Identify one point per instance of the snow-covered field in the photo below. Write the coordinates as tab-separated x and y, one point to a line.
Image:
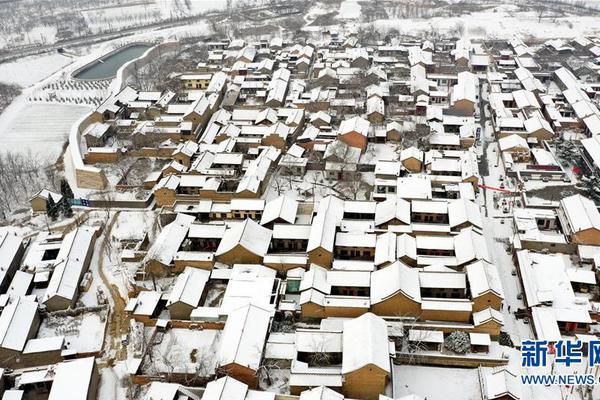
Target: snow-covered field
30	70
83	333
436	383
39	128
349	9
503	21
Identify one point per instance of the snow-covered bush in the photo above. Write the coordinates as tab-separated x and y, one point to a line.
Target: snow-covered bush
458	342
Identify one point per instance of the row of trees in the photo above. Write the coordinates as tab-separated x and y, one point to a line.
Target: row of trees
8	93
64	205
21	176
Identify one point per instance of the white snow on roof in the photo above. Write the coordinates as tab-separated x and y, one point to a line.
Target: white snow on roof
189	286
512	141
580	212
483	278
502	383
406	245
225	388
419	335
355	124
365	342
385	248
70	264
249	235
329	214
73	379
463	210
321	393
392	208
169	239
248	283
469	246
281	207
168	391
315	278
15	323
243	337
10	244
483	316
395	278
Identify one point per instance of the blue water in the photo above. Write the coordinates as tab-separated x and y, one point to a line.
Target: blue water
108	67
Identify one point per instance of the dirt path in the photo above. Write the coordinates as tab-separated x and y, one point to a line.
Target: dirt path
118	323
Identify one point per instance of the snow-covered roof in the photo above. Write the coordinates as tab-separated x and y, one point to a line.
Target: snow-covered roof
488	314
10	245
189	286
385	249
395	278
419	335
168	391
463	210
316	278
483	278
365	342
73	379
469	245
45	194
414	187
71	263
329	214
144	304
248	234
442	279
355	124
501	384
465	89
248	283
15	323
282	207
321	393
411	152
169	239
580	213
225	388
392	208
512	141
406	245
244	336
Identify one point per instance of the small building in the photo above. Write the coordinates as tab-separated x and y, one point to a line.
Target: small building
484	285
75	380
516	146
412	159
11	251
580	220
242	343
19	322
354	132
395	290
502	384
161	255
40	200
73	261
366	357
187	292
244	243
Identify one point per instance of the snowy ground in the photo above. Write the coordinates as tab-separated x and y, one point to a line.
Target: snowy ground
83	333
30	70
39	128
182	350
436	383
349	9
